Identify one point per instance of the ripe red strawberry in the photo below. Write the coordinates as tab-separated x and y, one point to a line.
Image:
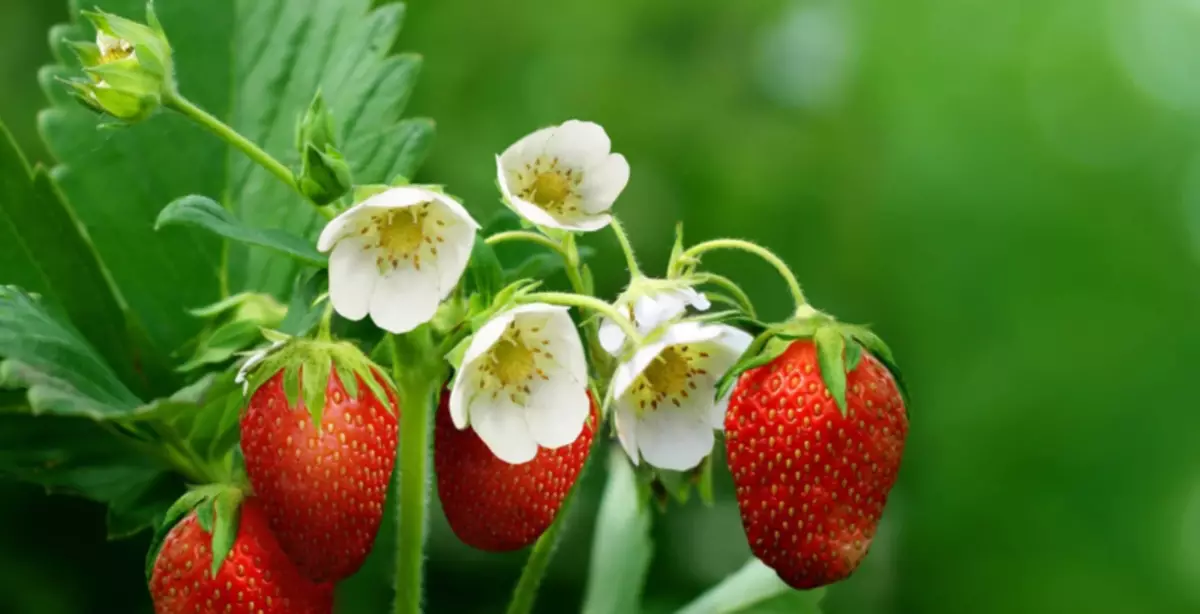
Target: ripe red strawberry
492	505
323	488
811	482
256	577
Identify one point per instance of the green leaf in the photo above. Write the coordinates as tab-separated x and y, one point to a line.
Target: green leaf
220	345
255	65
621	548
63	373
303	312
755	589
831	347
203	416
43	250
206	213
544	265
484	270
81	457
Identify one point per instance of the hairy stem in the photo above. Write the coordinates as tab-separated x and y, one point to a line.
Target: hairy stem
587	302
419	374
229	135
525	235
695	251
634	270
525	594
728	285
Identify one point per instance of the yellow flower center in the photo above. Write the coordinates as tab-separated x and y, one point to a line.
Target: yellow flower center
402	234
668	378
113	49
513	361
552	188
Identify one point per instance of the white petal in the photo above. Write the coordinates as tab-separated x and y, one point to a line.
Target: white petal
578	144
675	438
654	311
486	337
695	299
625	419
565	345
604	182
557	410
734	341
629	370
530	146
454	249
583	223
691	332
719	408
532	212
454	207
611	336
464	386
353	275
399	198
502	426
339	227
404	299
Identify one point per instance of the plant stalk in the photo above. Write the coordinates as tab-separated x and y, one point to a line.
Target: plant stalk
695	251
229	135
626	247
419	374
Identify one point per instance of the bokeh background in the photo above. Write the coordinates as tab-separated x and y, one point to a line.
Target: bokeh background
1009	191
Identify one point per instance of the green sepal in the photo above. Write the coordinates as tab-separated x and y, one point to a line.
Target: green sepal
853	353
182	507
831	349
456	355
87	52
204	515
227	508
876	346
307	365
702	478
761	351
314	374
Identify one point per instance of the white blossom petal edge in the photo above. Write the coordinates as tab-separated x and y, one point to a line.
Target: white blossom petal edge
523	383
648	312
396	255
563	177
664	396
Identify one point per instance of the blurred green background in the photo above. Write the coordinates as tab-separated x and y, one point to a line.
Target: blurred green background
1009	191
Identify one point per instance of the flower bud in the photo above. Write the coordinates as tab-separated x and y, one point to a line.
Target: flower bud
128	68
324	174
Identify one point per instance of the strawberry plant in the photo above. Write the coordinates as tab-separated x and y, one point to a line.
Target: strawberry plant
231	316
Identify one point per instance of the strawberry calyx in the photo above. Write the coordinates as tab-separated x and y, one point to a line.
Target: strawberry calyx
218	511
307	365
840	347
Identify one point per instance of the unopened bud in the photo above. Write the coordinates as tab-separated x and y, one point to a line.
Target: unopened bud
128	68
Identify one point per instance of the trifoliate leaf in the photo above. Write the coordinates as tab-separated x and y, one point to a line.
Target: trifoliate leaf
831	347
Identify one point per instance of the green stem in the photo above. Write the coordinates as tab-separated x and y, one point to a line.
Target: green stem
525	594
729	286
695	251
525	235
229	135
634	270
586	302
419	375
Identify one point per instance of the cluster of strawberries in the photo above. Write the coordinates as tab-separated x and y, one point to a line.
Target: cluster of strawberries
811	480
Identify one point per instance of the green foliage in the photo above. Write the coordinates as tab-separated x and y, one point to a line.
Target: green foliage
621	547
208	214
64	375
831	350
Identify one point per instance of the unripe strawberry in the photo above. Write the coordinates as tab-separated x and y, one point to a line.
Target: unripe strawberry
811	480
321	463
255	577
492	505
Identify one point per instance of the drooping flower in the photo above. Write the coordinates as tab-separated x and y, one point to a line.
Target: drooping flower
563	177
396	255
523	383
648	312
663	397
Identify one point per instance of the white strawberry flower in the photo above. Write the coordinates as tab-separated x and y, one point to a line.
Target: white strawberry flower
663	397
396	255
563	177
648	312
523	383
